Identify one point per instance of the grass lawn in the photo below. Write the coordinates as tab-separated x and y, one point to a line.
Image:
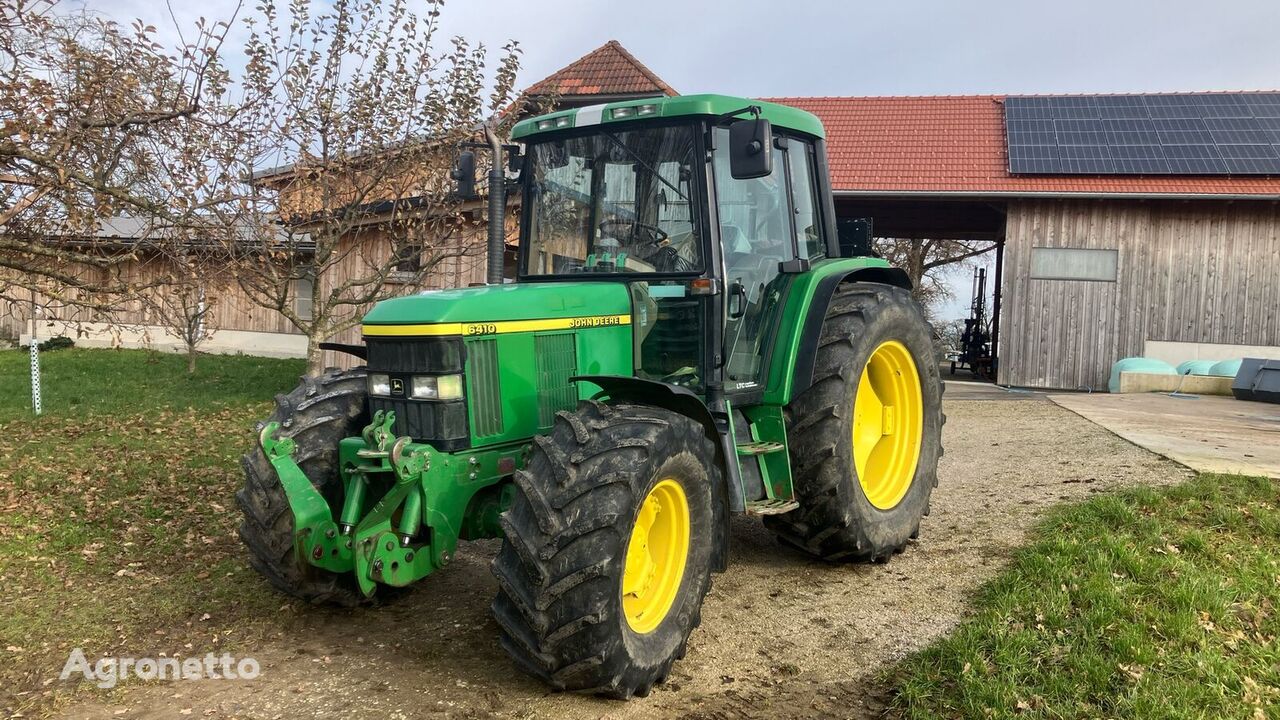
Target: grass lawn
1143	604
76	381
117	516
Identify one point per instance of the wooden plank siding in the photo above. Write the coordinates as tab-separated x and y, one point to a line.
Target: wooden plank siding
453	270
231	308
1195	271
234	310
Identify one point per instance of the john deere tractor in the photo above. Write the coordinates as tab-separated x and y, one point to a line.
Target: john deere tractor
686	339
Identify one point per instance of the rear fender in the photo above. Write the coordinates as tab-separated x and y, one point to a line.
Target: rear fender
811	330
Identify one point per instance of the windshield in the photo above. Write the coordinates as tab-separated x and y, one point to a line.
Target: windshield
621	201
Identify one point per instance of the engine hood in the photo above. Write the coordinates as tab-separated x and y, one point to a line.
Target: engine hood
501	308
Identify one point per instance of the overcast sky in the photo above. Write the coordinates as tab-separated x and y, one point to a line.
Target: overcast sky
767	48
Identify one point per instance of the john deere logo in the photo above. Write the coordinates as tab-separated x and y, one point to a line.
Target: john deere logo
397	386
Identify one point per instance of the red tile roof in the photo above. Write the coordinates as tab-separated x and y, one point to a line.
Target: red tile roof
956	145
607	70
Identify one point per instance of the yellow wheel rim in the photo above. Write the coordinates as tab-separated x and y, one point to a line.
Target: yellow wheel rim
656	556
888	422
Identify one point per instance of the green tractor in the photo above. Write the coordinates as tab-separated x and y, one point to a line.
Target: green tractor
687	339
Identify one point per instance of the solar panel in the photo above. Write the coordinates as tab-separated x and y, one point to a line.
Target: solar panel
1178	134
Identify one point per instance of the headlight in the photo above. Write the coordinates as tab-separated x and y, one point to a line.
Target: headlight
437	387
379	384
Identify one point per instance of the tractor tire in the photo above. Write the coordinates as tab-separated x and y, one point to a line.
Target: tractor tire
596	590
842	516
317	414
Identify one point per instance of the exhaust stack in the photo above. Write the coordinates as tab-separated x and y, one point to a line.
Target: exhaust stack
497	208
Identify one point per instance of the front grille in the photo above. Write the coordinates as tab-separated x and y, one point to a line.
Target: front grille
443	425
440	424
438	356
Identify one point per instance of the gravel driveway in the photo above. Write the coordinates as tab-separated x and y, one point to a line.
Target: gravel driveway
781	635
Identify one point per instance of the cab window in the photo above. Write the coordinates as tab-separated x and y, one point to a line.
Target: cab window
808	221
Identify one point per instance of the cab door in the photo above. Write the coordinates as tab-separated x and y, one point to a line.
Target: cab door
766	224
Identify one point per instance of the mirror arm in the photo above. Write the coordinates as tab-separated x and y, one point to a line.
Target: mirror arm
755	110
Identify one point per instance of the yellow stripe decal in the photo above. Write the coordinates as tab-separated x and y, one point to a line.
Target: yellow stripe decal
495	328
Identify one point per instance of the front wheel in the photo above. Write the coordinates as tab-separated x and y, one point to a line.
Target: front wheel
866	437
316	415
608	548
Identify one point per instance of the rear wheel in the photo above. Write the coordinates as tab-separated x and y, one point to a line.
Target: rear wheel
317	414
867	435
608	548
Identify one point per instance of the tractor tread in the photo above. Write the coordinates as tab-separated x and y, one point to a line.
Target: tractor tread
565	541
829	523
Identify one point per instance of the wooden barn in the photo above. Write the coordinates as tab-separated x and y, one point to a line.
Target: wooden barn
1125	225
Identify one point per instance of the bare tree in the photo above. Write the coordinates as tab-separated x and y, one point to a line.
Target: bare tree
352	123
927	261
183	305
97	122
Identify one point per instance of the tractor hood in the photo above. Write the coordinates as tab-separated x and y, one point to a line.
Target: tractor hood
467	311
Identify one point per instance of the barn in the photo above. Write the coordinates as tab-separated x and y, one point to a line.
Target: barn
1124	225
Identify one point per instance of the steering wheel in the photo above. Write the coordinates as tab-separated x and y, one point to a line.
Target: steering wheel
657	233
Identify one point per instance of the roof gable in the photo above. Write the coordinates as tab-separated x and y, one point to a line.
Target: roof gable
608	70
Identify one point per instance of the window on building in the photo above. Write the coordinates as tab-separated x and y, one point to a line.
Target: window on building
1097	265
302	290
409	259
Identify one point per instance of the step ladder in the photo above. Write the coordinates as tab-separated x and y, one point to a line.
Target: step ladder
768	505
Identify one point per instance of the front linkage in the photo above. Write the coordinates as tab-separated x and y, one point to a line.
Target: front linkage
429	500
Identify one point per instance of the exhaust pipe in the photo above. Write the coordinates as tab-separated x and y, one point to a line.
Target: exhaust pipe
497	208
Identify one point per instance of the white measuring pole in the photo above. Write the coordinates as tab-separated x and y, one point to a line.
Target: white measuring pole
35	375
35	359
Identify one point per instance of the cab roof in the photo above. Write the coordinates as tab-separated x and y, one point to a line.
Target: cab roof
782	116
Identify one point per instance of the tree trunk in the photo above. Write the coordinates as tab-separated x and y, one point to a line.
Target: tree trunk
191	360
315	356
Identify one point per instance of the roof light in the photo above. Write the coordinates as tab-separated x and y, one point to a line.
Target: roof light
646	109
546	124
562	121
622	112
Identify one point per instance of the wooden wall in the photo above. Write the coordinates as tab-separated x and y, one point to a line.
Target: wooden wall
231	307
1193	271
233	310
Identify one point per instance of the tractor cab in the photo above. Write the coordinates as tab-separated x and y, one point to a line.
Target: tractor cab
701	208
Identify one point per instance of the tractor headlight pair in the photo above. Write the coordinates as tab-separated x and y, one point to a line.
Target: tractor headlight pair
436	387
421	387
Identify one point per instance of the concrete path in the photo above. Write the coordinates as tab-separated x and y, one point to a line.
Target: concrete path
1205	433
978	390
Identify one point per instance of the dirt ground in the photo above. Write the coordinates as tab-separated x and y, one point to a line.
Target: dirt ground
781	636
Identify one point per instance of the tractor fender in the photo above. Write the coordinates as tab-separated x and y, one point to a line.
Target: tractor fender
621	388
659	394
811	332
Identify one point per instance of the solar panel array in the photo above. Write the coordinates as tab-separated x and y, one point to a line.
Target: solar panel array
1185	134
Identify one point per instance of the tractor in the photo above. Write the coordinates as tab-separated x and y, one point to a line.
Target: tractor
686	339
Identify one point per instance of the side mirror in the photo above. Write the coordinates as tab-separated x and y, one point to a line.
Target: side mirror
750	148
464	173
